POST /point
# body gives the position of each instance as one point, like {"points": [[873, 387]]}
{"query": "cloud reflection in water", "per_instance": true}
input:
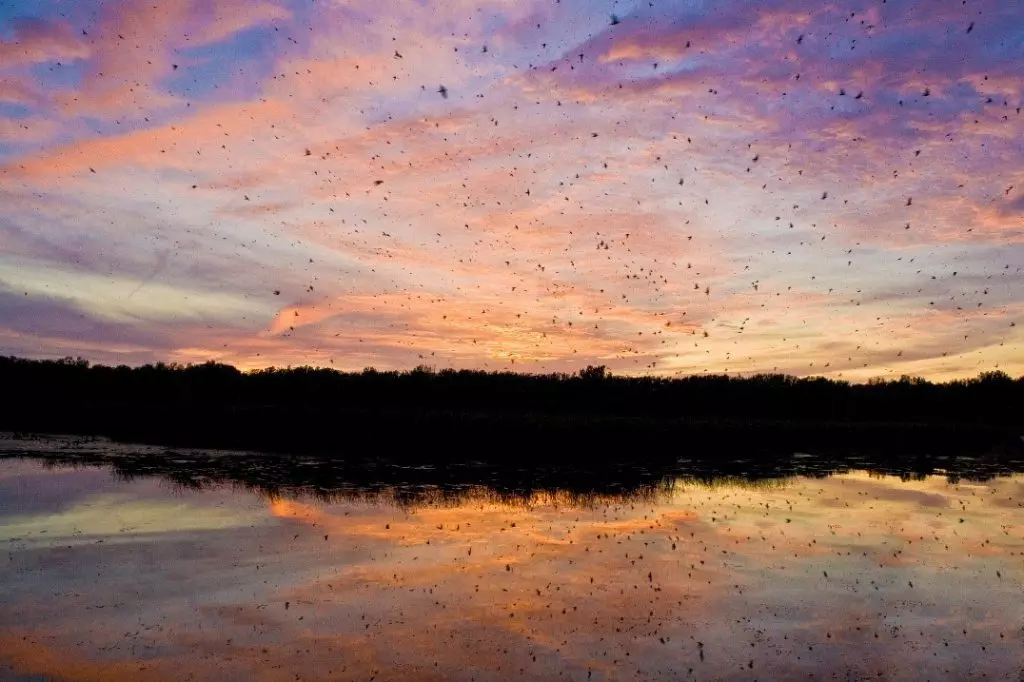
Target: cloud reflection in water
{"points": [[868, 574]]}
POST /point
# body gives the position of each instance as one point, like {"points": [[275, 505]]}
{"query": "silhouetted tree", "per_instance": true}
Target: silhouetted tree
{"points": [[593, 373], [214, 403]]}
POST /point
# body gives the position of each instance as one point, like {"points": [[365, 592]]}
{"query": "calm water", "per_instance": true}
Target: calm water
{"points": [[221, 577]]}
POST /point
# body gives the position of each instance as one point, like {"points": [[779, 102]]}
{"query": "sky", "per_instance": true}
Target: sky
{"points": [[660, 187]]}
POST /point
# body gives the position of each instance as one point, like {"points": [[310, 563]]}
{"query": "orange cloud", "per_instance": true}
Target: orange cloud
{"points": [[299, 316], [172, 145]]}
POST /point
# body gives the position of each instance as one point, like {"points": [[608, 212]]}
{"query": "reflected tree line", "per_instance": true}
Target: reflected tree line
{"points": [[383, 480], [485, 415]]}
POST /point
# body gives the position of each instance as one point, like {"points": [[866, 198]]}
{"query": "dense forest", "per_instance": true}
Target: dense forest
{"points": [[307, 408]]}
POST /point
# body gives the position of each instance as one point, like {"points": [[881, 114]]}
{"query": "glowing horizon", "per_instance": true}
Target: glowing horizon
{"points": [[772, 186]]}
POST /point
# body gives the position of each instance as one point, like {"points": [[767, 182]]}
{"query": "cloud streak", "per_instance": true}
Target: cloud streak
{"points": [[752, 173]]}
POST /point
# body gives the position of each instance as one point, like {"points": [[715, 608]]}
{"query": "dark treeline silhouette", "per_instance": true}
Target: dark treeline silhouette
{"points": [[377, 480], [479, 413]]}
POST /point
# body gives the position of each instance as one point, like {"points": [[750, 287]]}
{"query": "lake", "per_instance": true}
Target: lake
{"points": [[145, 563]]}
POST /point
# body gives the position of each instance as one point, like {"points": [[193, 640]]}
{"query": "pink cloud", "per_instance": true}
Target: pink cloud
{"points": [[27, 131], [250, 210], [157, 147], [220, 20], [132, 49], [38, 41], [17, 91]]}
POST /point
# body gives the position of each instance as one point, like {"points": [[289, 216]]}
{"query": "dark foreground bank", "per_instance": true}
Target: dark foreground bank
{"points": [[455, 415]]}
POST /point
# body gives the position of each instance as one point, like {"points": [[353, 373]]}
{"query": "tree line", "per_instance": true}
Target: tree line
{"points": [[992, 398]]}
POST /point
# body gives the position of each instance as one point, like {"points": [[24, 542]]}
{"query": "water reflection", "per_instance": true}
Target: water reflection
{"points": [[152, 575], [407, 483]]}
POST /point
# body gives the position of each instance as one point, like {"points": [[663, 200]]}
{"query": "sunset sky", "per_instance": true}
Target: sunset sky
{"points": [[661, 187]]}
